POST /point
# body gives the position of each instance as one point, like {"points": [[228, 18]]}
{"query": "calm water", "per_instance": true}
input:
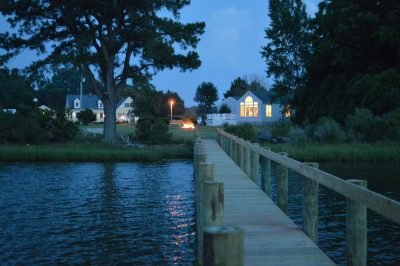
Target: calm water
{"points": [[138, 214], [383, 234], [143, 214]]}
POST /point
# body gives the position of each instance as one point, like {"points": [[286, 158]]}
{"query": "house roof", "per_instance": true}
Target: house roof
{"points": [[265, 96], [88, 101]]}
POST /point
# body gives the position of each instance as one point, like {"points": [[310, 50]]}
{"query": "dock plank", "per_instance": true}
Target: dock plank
{"points": [[271, 238]]}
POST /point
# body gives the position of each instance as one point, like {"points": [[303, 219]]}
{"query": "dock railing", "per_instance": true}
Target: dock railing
{"points": [[250, 157]]}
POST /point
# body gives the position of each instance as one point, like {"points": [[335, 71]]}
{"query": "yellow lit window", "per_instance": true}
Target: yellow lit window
{"points": [[268, 110], [287, 111], [249, 108]]}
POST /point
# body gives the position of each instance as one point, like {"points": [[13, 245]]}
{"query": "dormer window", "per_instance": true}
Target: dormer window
{"points": [[126, 105], [100, 104], [77, 103]]}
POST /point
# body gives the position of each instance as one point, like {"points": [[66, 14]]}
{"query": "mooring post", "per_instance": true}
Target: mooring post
{"points": [[266, 174], [356, 230], [255, 164], [283, 186], [212, 210], [223, 245], [310, 206], [206, 174]]}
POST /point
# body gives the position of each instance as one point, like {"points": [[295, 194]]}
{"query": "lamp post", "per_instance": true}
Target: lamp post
{"points": [[35, 100], [171, 103]]}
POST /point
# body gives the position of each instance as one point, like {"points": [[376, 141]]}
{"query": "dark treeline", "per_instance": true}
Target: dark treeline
{"points": [[351, 59]]}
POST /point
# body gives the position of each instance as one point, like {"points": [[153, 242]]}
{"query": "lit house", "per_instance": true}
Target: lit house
{"points": [[75, 103], [256, 107]]}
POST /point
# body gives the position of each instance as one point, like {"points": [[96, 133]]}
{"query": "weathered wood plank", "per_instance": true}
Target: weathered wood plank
{"points": [[271, 238]]}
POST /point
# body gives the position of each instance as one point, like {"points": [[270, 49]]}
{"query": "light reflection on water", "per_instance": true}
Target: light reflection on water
{"points": [[94, 213]]}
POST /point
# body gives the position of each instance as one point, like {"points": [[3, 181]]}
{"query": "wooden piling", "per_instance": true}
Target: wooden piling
{"points": [[206, 174], [254, 164], [223, 246], [282, 183], [310, 206], [266, 175], [356, 230], [247, 156]]}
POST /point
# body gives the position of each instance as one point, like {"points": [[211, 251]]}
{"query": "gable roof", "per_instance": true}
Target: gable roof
{"points": [[88, 101], [264, 95]]}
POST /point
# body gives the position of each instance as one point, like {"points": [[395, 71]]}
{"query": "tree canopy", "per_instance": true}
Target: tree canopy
{"points": [[112, 40], [288, 47], [206, 96], [15, 90], [355, 61]]}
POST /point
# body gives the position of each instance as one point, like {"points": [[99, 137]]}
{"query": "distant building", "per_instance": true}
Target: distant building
{"points": [[74, 105], [252, 107]]}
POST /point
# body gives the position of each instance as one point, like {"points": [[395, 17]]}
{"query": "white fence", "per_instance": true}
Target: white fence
{"points": [[220, 119]]}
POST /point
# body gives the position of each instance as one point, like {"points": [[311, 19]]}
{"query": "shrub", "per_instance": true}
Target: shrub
{"points": [[87, 116], [153, 131], [358, 124], [328, 130], [297, 136], [245, 131], [224, 109], [279, 128]]}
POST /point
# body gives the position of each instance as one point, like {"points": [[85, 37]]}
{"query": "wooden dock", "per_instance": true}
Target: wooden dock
{"points": [[270, 238]]}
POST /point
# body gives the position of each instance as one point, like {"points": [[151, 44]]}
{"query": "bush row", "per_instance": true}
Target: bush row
{"points": [[35, 127]]}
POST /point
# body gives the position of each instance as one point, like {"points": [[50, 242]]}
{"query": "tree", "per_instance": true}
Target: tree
{"points": [[206, 96], [288, 47], [238, 87], [113, 41], [15, 90], [224, 109], [355, 60]]}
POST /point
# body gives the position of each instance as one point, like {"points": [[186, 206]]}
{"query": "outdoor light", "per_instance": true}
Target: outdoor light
{"points": [[171, 103]]}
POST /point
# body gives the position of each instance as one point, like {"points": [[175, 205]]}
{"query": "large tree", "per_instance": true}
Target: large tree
{"points": [[288, 47], [15, 90], [355, 61], [238, 87], [206, 96], [113, 40]]}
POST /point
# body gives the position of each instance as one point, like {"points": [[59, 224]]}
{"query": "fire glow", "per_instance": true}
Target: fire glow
{"points": [[187, 125]]}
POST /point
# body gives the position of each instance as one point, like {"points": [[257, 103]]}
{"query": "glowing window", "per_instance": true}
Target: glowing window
{"points": [[287, 111], [249, 108], [268, 111]]}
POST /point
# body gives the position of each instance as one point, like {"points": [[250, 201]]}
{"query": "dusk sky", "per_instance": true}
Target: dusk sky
{"points": [[229, 48]]}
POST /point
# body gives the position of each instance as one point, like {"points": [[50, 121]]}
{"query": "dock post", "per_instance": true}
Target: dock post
{"points": [[206, 174], [310, 206], [242, 152], [255, 164], [234, 151], [223, 245], [356, 230], [212, 211], [266, 174], [282, 183]]}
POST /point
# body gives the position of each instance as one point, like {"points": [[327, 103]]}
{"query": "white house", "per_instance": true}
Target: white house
{"points": [[75, 103], [253, 107]]}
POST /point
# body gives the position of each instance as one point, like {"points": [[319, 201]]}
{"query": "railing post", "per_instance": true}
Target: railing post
{"points": [[283, 186], [242, 156], [223, 245], [247, 156], [266, 175], [255, 164], [234, 151], [310, 206], [206, 174], [356, 230]]}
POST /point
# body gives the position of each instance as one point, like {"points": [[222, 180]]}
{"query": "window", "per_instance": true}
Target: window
{"points": [[287, 111], [131, 105], [101, 115], [268, 111], [249, 108], [100, 105], [126, 105]]}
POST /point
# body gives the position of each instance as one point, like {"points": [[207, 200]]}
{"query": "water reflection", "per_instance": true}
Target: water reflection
{"points": [[140, 214]]}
